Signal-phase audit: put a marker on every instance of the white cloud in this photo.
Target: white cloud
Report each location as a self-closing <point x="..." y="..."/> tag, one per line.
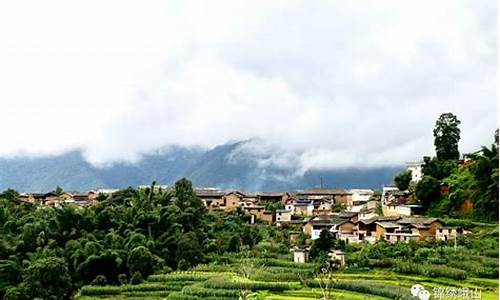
<point x="321" y="84"/>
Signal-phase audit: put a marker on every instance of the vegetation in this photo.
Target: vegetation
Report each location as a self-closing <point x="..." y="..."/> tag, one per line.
<point x="156" y="244"/>
<point x="129" y="235"/>
<point x="470" y="186"/>
<point x="379" y="271"/>
<point x="446" y="137"/>
<point x="427" y="190"/>
<point x="402" y="180"/>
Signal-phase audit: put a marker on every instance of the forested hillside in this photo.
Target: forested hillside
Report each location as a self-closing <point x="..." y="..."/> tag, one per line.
<point x="213" y="168"/>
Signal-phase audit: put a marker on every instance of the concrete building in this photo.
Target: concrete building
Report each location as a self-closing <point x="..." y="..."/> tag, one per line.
<point x="448" y="233"/>
<point x="283" y="215"/>
<point x="416" y="171"/>
<point x="300" y="255"/>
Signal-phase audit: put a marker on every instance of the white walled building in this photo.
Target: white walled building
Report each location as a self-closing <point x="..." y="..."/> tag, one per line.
<point x="416" y="170"/>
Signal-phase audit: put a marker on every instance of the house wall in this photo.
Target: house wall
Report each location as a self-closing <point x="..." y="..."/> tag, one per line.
<point x="343" y="199"/>
<point x="232" y="201"/>
<point x="267" y="218"/>
<point x="380" y="232"/>
<point x="321" y="212"/>
<point x="365" y="216"/>
<point x="403" y="210"/>
<point x="372" y="204"/>
<point x="308" y="229"/>
<point x="283" y="216"/>
<point x="347" y="227"/>
<point x="447" y="234"/>
<point x="303" y="210"/>
<point x="300" y="257"/>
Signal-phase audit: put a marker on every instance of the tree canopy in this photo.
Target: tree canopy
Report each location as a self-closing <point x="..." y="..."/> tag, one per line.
<point x="402" y="180"/>
<point x="127" y="235"/>
<point x="447" y="136"/>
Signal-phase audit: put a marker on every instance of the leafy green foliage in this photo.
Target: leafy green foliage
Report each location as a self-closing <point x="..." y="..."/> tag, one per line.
<point x="322" y="245"/>
<point x="402" y="180"/>
<point x="439" y="168"/>
<point x="130" y="233"/>
<point x="136" y="278"/>
<point x="427" y="190"/>
<point x="476" y="182"/>
<point x="273" y="206"/>
<point x="141" y="260"/>
<point x="46" y="278"/>
<point x="446" y="137"/>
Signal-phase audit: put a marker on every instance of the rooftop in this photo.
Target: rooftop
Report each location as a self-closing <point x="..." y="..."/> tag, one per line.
<point x="323" y="192"/>
<point x="385" y="224"/>
<point x="418" y="221"/>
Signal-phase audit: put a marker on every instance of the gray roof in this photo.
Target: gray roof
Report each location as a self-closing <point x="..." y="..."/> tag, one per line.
<point x="323" y="192"/>
<point x="209" y="193"/>
<point x="388" y="224"/>
<point x="348" y="214"/>
<point x="418" y="221"/>
<point x="330" y="221"/>
<point x="369" y="221"/>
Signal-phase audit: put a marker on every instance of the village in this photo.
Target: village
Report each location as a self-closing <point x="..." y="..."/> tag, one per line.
<point x="351" y="215"/>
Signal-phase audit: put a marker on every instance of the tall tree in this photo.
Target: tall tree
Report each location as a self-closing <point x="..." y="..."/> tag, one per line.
<point x="402" y="180"/>
<point x="446" y="137"/>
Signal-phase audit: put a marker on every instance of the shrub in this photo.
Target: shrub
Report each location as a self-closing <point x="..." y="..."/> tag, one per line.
<point x="136" y="278"/>
<point x="99" y="280"/>
<point x="140" y="260"/>
<point x="122" y="278"/>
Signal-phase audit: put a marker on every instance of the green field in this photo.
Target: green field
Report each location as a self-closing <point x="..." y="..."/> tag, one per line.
<point x="280" y="279"/>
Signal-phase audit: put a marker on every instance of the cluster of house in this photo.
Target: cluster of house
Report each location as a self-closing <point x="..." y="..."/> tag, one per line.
<point x="353" y="227"/>
<point x="55" y="199"/>
<point x="297" y="205"/>
<point x="356" y="228"/>
<point x="365" y="216"/>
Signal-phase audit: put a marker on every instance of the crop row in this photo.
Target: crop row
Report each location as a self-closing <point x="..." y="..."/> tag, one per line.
<point x="363" y="287"/>
<point x="217" y="283"/>
<point x="182" y="277"/>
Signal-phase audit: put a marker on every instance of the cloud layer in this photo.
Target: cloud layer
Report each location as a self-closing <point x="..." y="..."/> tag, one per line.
<point x="317" y="84"/>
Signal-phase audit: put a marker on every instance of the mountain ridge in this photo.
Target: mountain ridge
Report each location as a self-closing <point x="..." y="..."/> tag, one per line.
<point x="215" y="167"/>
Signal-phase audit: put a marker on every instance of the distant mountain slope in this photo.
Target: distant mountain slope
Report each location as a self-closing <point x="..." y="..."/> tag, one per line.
<point x="215" y="168"/>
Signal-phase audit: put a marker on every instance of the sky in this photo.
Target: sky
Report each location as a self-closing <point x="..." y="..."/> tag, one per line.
<point x="313" y="84"/>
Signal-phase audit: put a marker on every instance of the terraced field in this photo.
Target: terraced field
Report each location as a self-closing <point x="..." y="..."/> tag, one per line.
<point x="279" y="279"/>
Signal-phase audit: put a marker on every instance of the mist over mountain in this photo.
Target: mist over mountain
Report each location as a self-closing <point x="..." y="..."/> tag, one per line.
<point x="226" y="166"/>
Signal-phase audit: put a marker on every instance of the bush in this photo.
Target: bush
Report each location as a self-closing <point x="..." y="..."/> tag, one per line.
<point x="99" y="280"/>
<point x="122" y="278"/>
<point x="136" y="278"/>
<point x="141" y="260"/>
